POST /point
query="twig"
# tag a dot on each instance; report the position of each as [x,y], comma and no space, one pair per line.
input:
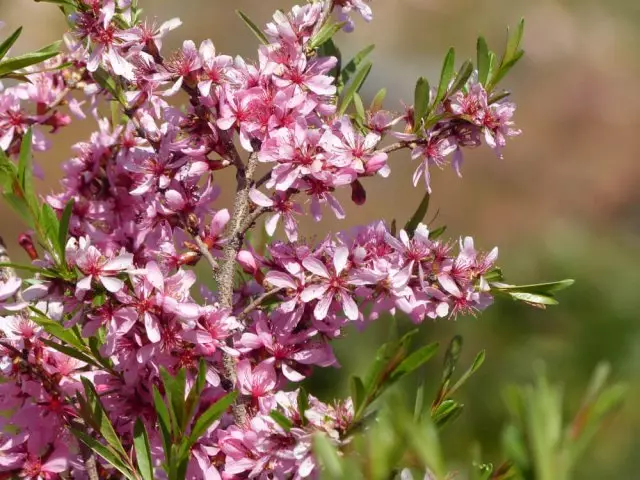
[204,251]
[397,146]
[257,302]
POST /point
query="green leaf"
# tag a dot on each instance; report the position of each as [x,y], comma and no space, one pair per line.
[357,392]
[12,64]
[175,393]
[303,405]
[164,420]
[360,114]
[483,60]
[418,407]
[445,77]
[477,363]
[143,450]
[194,394]
[64,229]
[534,299]
[446,412]
[99,419]
[354,87]
[418,215]
[25,170]
[108,83]
[376,103]
[71,352]
[50,230]
[513,42]
[327,456]
[504,69]
[210,415]
[325,34]
[253,27]
[54,328]
[461,77]
[350,68]
[451,358]
[281,420]
[437,233]
[421,99]
[8,43]
[415,360]
[29,268]
[543,288]
[105,452]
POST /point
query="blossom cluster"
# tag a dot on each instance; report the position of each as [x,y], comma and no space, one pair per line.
[144,212]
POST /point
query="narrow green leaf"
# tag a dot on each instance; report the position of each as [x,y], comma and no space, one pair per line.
[421,99]
[504,69]
[414,361]
[483,60]
[513,42]
[357,394]
[194,394]
[12,64]
[534,299]
[164,421]
[542,288]
[352,67]
[210,415]
[281,420]
[360,114]
[108,83]
[303,405]
[64,229]
[175,393]
[451,358]
[100,420]
[446,412]
[50,229]
[418,215]
[437,233]
[54,328]
[8,43]
[143,450]
[28,268]
[253,27]
[376,103]
[71,352]
[109,455]
[477,363]
[419,403]
[25,171]
[445,77]
[325,34]
[461,77]
[327,456]
[354,87]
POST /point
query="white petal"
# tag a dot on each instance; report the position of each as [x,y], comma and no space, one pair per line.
[340,258]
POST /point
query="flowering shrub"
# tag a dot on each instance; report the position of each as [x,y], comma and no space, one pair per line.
[113,366]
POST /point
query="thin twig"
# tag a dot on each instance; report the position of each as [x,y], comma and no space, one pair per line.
[204,251]
[397,146]
[257,302]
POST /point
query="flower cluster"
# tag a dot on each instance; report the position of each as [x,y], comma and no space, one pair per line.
[143,210]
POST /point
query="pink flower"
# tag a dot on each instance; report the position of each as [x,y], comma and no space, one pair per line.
[329,285]
[258,381]
[95,265]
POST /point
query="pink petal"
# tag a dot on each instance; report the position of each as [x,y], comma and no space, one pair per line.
[316,267]
[280,279]
[313,291]
[340,258]
[322,307]
[112,284]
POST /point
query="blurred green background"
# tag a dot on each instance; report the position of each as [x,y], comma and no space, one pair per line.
[563,203]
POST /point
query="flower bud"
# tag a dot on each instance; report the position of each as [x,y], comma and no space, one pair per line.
[26,242]
[358,193]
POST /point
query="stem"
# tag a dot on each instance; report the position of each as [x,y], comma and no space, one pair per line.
[204,251]
[257,302]
[225,273]
[397,146]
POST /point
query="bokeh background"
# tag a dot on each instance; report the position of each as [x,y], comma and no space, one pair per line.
[564,203]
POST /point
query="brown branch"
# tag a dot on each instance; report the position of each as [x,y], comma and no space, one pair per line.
[204,251]
[397,146]
[257,302]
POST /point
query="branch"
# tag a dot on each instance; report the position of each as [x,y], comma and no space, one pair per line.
[204,251]
[257,302]
[397,146]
